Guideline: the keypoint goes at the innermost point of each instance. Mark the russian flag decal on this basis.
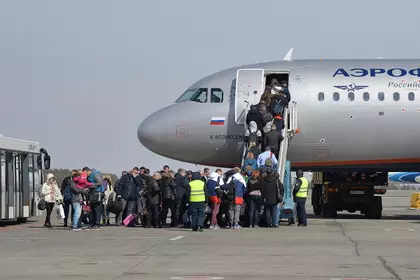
(217, 121)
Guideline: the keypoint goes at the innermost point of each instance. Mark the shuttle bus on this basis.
(21, 178)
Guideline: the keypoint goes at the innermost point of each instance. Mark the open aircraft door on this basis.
(249, 88)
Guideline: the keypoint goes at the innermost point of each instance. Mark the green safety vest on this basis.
(197, 191)
(303, 190)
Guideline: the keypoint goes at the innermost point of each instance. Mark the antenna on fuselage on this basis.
(288, 56)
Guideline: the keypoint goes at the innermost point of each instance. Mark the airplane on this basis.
(410, 178)
(352, 114)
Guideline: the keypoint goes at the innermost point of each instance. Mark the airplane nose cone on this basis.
(148, 133)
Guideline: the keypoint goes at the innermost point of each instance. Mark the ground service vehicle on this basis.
(20, 177)
(351, 191)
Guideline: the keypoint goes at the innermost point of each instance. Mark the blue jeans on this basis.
(77, 211)
(255, 202)
(271, 214)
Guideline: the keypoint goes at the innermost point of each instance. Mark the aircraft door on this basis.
(249, 88)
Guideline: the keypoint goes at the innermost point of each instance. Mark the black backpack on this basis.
(252, 137)
(229, 193)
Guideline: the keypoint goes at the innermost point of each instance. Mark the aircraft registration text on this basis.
(226, 136)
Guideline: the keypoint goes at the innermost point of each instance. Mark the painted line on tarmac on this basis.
(29, 238)
(399, 229)
(354, 279)
(128, 237)
(196, 277)
(178, 238)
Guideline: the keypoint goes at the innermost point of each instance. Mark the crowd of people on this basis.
(195, 199)
(264, 126)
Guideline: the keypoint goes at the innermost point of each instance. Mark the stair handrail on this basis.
(245, 149)
(283, 146)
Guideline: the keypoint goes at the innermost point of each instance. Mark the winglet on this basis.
(288, 56)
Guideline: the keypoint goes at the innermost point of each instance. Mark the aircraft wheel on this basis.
(316, 200)
(22, 220)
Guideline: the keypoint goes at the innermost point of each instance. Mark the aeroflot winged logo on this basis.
(351, 87)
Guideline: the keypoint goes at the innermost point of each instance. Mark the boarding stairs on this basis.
(286, 211)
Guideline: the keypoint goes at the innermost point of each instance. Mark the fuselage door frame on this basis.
(249, 88)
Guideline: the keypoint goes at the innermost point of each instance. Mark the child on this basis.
(81, 180)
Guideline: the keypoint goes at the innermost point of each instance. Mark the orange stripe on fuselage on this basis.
(356, 162)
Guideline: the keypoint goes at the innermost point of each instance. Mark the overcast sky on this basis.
(79, 76)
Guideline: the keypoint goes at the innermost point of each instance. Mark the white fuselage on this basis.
(350, 127)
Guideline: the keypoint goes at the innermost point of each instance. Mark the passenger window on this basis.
(396, 96)
(321, 96)
(200, 96)
(366, 96)
(336, 96)
(351, 96)
(411, 96)
(381, 96)
(216, 95)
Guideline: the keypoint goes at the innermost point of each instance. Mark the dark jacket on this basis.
(128, 187)
(76, 193)
(197, 176)
(270, 189)
(181, 187)
(253, 185)
(153, 194)
(254, 115)
(272, 139)
(168, 188)
(256, 151)
(279, 124)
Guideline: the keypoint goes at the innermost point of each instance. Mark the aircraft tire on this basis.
(329, 211)
(375, 209)
(22, 220)
(316, 200)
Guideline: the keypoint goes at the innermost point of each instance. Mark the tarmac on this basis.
(349, 247)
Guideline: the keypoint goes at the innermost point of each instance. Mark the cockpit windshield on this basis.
(196, 95)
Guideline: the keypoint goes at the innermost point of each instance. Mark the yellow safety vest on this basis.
(197, 191)
(303, 190)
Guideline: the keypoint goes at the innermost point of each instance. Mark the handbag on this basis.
(42, 204)
(95, 196)
(255, 193)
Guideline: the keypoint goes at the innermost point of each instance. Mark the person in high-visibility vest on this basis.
(300, 193)
(197, 198)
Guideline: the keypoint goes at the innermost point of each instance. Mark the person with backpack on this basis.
(235, 189)
(67, 196)
(255, 115)
(95, 197)
(267, 155)
(273, 139)
(214, 185)
(253, 135)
